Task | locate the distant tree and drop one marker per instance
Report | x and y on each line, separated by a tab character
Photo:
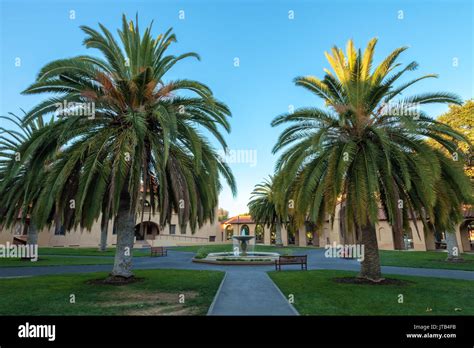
461	119
264	208
222	214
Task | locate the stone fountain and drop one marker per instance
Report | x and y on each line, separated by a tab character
240	256
243	241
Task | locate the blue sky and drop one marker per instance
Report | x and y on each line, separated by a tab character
272	50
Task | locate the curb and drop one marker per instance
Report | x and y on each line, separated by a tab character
211	308
234	263
293	309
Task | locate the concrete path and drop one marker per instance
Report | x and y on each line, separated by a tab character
183	260
250	293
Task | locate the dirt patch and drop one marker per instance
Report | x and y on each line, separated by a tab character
177	310
123	296
363	281
150	303
114	281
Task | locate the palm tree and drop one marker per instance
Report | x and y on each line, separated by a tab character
142	139
19	187
264	208
447	214
366	148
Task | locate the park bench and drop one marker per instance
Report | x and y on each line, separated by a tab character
158	251
19	240
292	260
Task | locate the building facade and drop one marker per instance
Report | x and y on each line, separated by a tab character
149	233
415	239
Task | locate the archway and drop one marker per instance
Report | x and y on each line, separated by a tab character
259	234
148	231
244	230
229	232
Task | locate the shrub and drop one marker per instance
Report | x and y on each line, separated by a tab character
201	253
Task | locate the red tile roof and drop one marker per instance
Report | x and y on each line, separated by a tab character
239	219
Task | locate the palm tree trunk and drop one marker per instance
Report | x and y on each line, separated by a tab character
278	240
397	227
452	247
32	238
125	237
370	266
104	226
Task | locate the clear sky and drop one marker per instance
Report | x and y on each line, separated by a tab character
272	49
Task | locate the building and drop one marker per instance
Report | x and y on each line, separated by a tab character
332	232
146	233
150	233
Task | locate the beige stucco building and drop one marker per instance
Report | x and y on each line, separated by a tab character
149	234
172	235
331	233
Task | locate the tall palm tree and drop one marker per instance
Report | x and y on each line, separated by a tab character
365	148
265	210
142	139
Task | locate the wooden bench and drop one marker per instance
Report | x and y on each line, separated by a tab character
158	251
19	240
292	260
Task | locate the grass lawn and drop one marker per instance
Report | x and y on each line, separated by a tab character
87	251
157	294
210	248
315	293
54	260
424	259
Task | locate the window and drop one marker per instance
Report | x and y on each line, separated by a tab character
172	229
59	230
183	230
212	238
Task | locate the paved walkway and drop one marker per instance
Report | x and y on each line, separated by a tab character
183	260
250	293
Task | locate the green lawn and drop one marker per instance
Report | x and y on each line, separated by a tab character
55	260
215	248
67	256
87	251
424	259
315	293
157	294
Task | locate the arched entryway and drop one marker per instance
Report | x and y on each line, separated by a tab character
244	230
229	232
259	234
146	230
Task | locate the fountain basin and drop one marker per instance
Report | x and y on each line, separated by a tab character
229	258
243	240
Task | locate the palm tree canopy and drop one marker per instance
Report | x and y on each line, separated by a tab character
19	184
367	147
123	127
263	206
